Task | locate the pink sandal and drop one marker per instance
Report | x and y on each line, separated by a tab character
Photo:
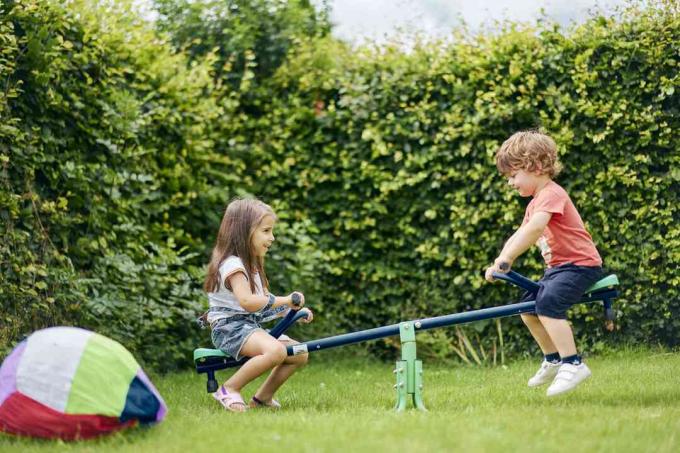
229	399
256	402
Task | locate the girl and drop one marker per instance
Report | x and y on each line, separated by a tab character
238	291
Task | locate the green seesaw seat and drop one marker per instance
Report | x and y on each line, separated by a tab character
606	283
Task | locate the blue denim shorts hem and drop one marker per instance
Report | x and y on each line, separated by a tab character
229	335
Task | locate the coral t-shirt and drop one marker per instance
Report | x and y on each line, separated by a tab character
565	239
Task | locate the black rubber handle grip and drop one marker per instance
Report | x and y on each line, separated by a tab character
296	299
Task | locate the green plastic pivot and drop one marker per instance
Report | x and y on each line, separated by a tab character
409	370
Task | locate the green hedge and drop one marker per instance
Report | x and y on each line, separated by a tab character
397	175
120	145
106	149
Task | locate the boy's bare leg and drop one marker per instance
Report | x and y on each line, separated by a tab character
560	334
540	334
280	374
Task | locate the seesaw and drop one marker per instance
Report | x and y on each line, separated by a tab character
409	370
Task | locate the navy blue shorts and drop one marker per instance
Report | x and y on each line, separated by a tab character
561	287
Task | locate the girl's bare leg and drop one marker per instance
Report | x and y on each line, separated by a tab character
280	374
265	352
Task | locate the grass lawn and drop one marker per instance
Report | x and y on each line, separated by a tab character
630	404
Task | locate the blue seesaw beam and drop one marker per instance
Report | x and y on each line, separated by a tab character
210	360
446	320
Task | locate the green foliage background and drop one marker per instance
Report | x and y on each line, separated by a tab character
121	144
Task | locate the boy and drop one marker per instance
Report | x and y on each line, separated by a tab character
529	160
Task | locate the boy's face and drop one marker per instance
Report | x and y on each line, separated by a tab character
525	182
263	236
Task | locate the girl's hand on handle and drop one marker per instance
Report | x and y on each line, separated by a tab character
309	318
296	300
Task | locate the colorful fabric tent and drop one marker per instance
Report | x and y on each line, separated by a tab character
70	383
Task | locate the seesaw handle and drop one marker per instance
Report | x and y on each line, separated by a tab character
290	319
296	299
517	279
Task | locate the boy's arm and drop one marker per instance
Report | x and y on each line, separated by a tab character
525	236
519	242
512	238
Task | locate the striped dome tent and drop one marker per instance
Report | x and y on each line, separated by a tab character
70	383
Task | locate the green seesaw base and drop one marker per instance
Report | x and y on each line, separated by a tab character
409	371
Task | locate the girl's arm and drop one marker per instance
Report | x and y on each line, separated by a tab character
253	302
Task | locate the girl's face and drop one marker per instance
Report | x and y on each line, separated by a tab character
524	182
263	236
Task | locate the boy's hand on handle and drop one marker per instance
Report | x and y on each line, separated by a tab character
297	300
488	274
501	265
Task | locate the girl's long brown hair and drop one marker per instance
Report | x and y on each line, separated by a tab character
240	219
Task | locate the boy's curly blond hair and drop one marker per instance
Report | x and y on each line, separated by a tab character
530	150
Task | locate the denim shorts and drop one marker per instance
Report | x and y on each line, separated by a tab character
230	334
561	287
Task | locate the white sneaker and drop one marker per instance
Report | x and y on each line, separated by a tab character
568	377
546	373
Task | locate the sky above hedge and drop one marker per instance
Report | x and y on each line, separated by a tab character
360	20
